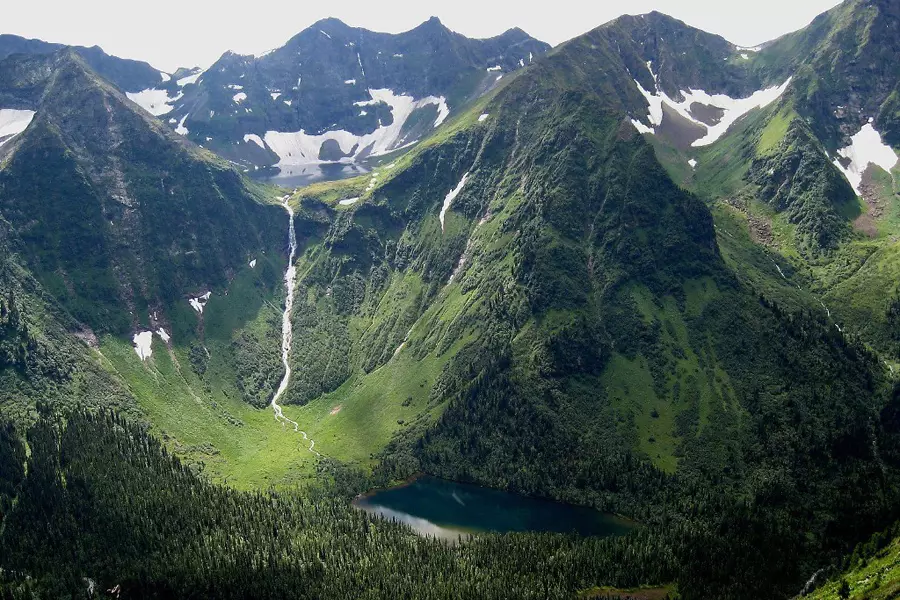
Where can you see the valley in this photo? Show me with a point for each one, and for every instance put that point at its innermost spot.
(645, 276)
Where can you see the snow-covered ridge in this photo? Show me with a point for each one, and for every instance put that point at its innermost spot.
(734, 108)
(14, 121)
(299, 147)
(866, 147)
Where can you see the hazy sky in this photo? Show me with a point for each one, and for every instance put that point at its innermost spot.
(172, 33)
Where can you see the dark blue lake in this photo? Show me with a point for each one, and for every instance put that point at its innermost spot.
(447, 509)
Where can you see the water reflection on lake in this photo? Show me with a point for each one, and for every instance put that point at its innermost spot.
(446, 509)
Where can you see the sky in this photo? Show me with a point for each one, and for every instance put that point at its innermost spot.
(196, 32)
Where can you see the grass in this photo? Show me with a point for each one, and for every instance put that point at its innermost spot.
(877, 579)
(204, 419)
(683, 381)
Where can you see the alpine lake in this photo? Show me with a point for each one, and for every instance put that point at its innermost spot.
(450, 510)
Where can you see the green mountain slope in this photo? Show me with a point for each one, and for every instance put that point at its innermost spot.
(779, 170)
(133, 220)
(527, 300)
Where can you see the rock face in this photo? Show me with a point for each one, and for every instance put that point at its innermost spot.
(353, 91)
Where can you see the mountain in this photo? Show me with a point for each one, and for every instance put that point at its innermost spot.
(812, 176)
(127, 75)
(133, 219)
(336, 93)
(605, 280)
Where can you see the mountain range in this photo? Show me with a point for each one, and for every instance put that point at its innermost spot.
(647, 271)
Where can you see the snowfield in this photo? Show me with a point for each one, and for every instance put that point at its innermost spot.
(734, 108)
(866, 148)
(300, 148)
(188, 80)
(14, 121)
(155, 102)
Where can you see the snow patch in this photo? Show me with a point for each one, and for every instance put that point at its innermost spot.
(275, 95)
(325, 34)
(451, 196)
(288, 102)
(14, 121)
(866, 147)
(398, 56)
(348, 201)
(199, 303)
(252, 137)
(350, 81)
(745, 56)
(155, 102)
(188, 80)
(641, 127)
(495, 68)
(239, 97)
(693, 163)
(483, 118)
(233, 86)
(163, 335)
(181, 129)
(443, 110)
(165, 77)
(142, 342)
(253, 264)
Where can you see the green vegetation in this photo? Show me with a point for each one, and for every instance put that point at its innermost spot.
(104, 507)
(871, 572)
(575, 325)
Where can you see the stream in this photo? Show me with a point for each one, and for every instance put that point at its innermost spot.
(287, 335)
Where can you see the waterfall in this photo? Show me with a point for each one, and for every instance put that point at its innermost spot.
(286, 328)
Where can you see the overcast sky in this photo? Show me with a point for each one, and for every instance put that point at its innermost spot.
(196, 32)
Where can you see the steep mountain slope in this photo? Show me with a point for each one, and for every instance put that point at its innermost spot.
(526, 300)
(46, 358)
(871, 572)
(334, 92)
(812, 176)
(556, 314)
(133, 219)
